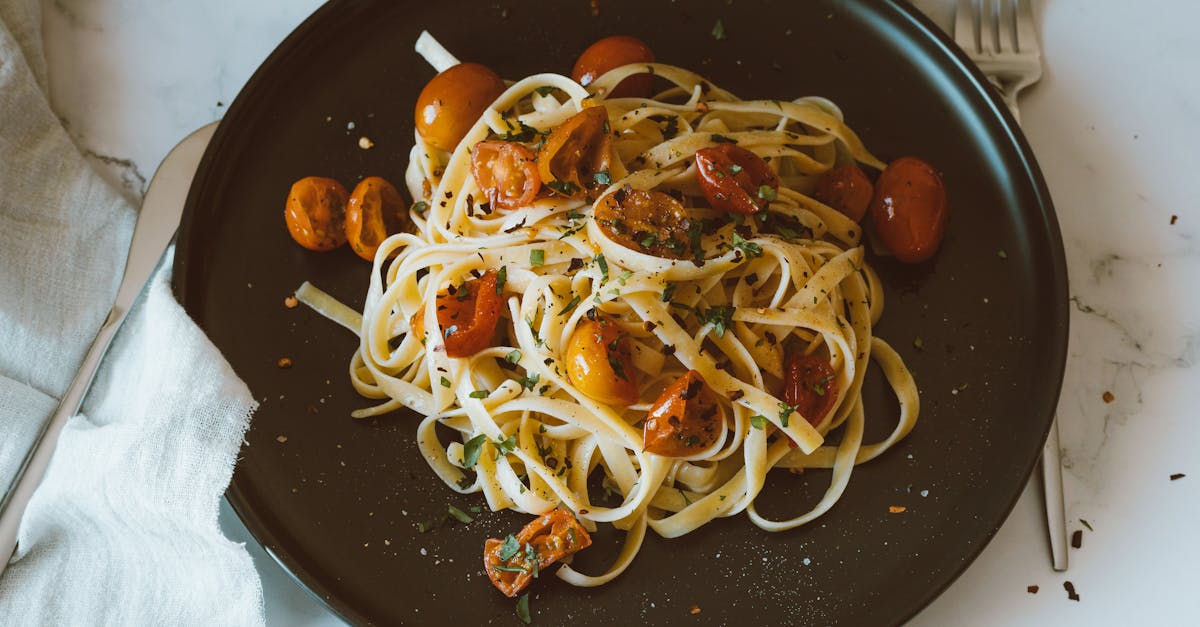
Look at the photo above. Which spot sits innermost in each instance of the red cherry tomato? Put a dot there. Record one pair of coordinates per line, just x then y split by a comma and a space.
846, 189
452, 101
909, 210
809, 386
507, 172
686, 418
734, 179
549, 538
613, 52
468, 323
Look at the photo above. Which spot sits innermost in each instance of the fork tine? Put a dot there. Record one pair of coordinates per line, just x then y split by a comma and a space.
964, 27
1005, 27
1026, 36
987, 27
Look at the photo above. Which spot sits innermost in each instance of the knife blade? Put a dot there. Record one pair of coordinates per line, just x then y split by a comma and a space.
157, 222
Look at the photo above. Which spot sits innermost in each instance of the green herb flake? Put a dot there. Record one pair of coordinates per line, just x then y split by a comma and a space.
719, 317
668, 292
509, 548
603, 263
509, 569
471, 450
602, 177
672, 128
513, 356
570, 305
529, 382
544, 90
1001, 254
718, 31
537, 257
734, 169
479, 394
766, 192
758, 422
566, 188
721, 139
918, 343
648, 241
445, 382
624, 275
531, 558
785, 412
420, 207
501, 279
523, 609
459, 515
749, 249
1086, 524
507, 445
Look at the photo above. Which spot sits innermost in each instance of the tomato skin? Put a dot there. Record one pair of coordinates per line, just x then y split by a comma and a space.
375, 211
809, 386
452, 101
553, 536
686, 418
576, 150
316, 213
592, 350
909, 209
468, 324
734, 189
846, 189
506, 172
646, 221
613, 52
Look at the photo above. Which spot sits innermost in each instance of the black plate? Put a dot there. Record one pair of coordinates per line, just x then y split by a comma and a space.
338, 502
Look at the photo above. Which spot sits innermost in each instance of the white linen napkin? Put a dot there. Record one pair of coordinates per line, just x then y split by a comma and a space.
123, 530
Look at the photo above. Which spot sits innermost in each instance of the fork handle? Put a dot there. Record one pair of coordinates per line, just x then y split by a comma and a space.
1052, 488
1008, 93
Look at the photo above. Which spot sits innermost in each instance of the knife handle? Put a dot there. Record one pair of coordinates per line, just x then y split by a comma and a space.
33, 467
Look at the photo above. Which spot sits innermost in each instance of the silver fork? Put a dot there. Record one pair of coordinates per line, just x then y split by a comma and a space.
998, 35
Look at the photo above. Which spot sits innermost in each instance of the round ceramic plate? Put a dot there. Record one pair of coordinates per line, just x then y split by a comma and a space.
983, 326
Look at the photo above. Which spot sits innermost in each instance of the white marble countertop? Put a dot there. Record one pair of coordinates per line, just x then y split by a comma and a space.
1115, 123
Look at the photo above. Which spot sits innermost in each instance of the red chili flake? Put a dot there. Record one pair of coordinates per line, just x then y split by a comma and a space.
695, 609
1070, 588
312, 409
896, 509
1108, 397
1177, 476
284, 363
1174, 219
1077, 539
1031, 589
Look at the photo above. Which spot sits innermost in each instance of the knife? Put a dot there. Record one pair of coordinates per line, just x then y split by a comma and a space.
156, 225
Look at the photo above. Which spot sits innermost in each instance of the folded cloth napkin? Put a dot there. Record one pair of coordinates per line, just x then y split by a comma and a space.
123, 530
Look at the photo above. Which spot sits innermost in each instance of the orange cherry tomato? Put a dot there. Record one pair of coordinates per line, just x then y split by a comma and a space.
375, 211
600, 362
809, 386
734, 179
316, 213
613, 52
846, 189
909, 210
452, 101
544, 541
576, 151
649, 222
507, 172
686, 418
467, 314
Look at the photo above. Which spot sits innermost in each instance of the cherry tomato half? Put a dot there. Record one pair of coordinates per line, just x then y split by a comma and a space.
576, 151
316, 213
686, 418
375, 211
544, 541
467, 314
613, 52
647, 221
600, 362
846, 189
734, 179
909, 210
452, 101
507, 172
809, 386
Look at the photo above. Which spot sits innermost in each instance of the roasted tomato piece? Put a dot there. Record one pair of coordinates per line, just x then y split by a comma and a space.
686, 418
576, 151
507, 172
600, 362
846, 189
467, 314
316, 213
613, 52
513, 562
909, 210
734, 179
650, 222
809, 386
452, 102
375, 211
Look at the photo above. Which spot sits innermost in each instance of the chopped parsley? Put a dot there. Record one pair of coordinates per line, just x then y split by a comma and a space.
734, 169
531, 558
507, 445
529, 382
513, 356
509, 569
750, 249
509, 548
570, 305
785, 412
819, 386
766, 192
544, 90
668, 292
672, 128
471, 450
537, 257
758, 422
603, 263
719, 317
501, 279
447, 332
445, 382
721, 139
602, 177
648, 241
523, 609
459, 515
566, 188
525, 134
617, 366
420, 207
624, 275
479, 394
718, 31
